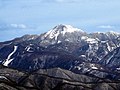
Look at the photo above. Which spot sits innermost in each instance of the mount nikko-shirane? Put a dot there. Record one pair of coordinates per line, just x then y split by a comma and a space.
64, 58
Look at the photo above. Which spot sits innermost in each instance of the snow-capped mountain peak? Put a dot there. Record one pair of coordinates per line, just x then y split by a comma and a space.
62, 29
67, 28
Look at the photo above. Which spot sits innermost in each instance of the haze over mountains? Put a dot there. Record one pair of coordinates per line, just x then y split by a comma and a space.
64, 54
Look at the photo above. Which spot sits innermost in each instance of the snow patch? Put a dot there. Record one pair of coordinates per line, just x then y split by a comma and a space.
28, 49
59, 41
83, 56
3, 77
94, 67
70, 29
118, 68
89, 40
84, 37
67, 40
78, 67
103, 41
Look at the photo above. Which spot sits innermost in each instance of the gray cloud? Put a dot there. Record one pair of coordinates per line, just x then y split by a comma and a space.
4, 26
74, 1
60, 1
106, 27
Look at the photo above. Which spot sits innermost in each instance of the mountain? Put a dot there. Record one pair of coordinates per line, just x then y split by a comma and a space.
65, 47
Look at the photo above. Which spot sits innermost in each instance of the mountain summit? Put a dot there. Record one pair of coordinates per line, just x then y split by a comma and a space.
65, 29
62, 30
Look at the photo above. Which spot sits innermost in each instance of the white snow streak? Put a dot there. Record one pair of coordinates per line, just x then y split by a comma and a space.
109, 49
110, 58
3, 77
28, 48
8, 60
94, 67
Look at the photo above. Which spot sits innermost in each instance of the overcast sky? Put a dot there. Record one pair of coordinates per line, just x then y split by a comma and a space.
19, 17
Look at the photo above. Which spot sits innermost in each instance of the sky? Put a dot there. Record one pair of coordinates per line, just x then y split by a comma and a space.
20, 17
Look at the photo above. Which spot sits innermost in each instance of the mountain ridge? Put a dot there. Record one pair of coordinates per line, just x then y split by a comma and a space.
76, 50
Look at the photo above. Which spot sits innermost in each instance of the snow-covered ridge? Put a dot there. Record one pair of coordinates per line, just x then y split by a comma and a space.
113, 32
107, 33
63, 32
63, 29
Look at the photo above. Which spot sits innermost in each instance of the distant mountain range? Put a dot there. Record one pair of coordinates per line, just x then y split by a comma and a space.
66, 50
